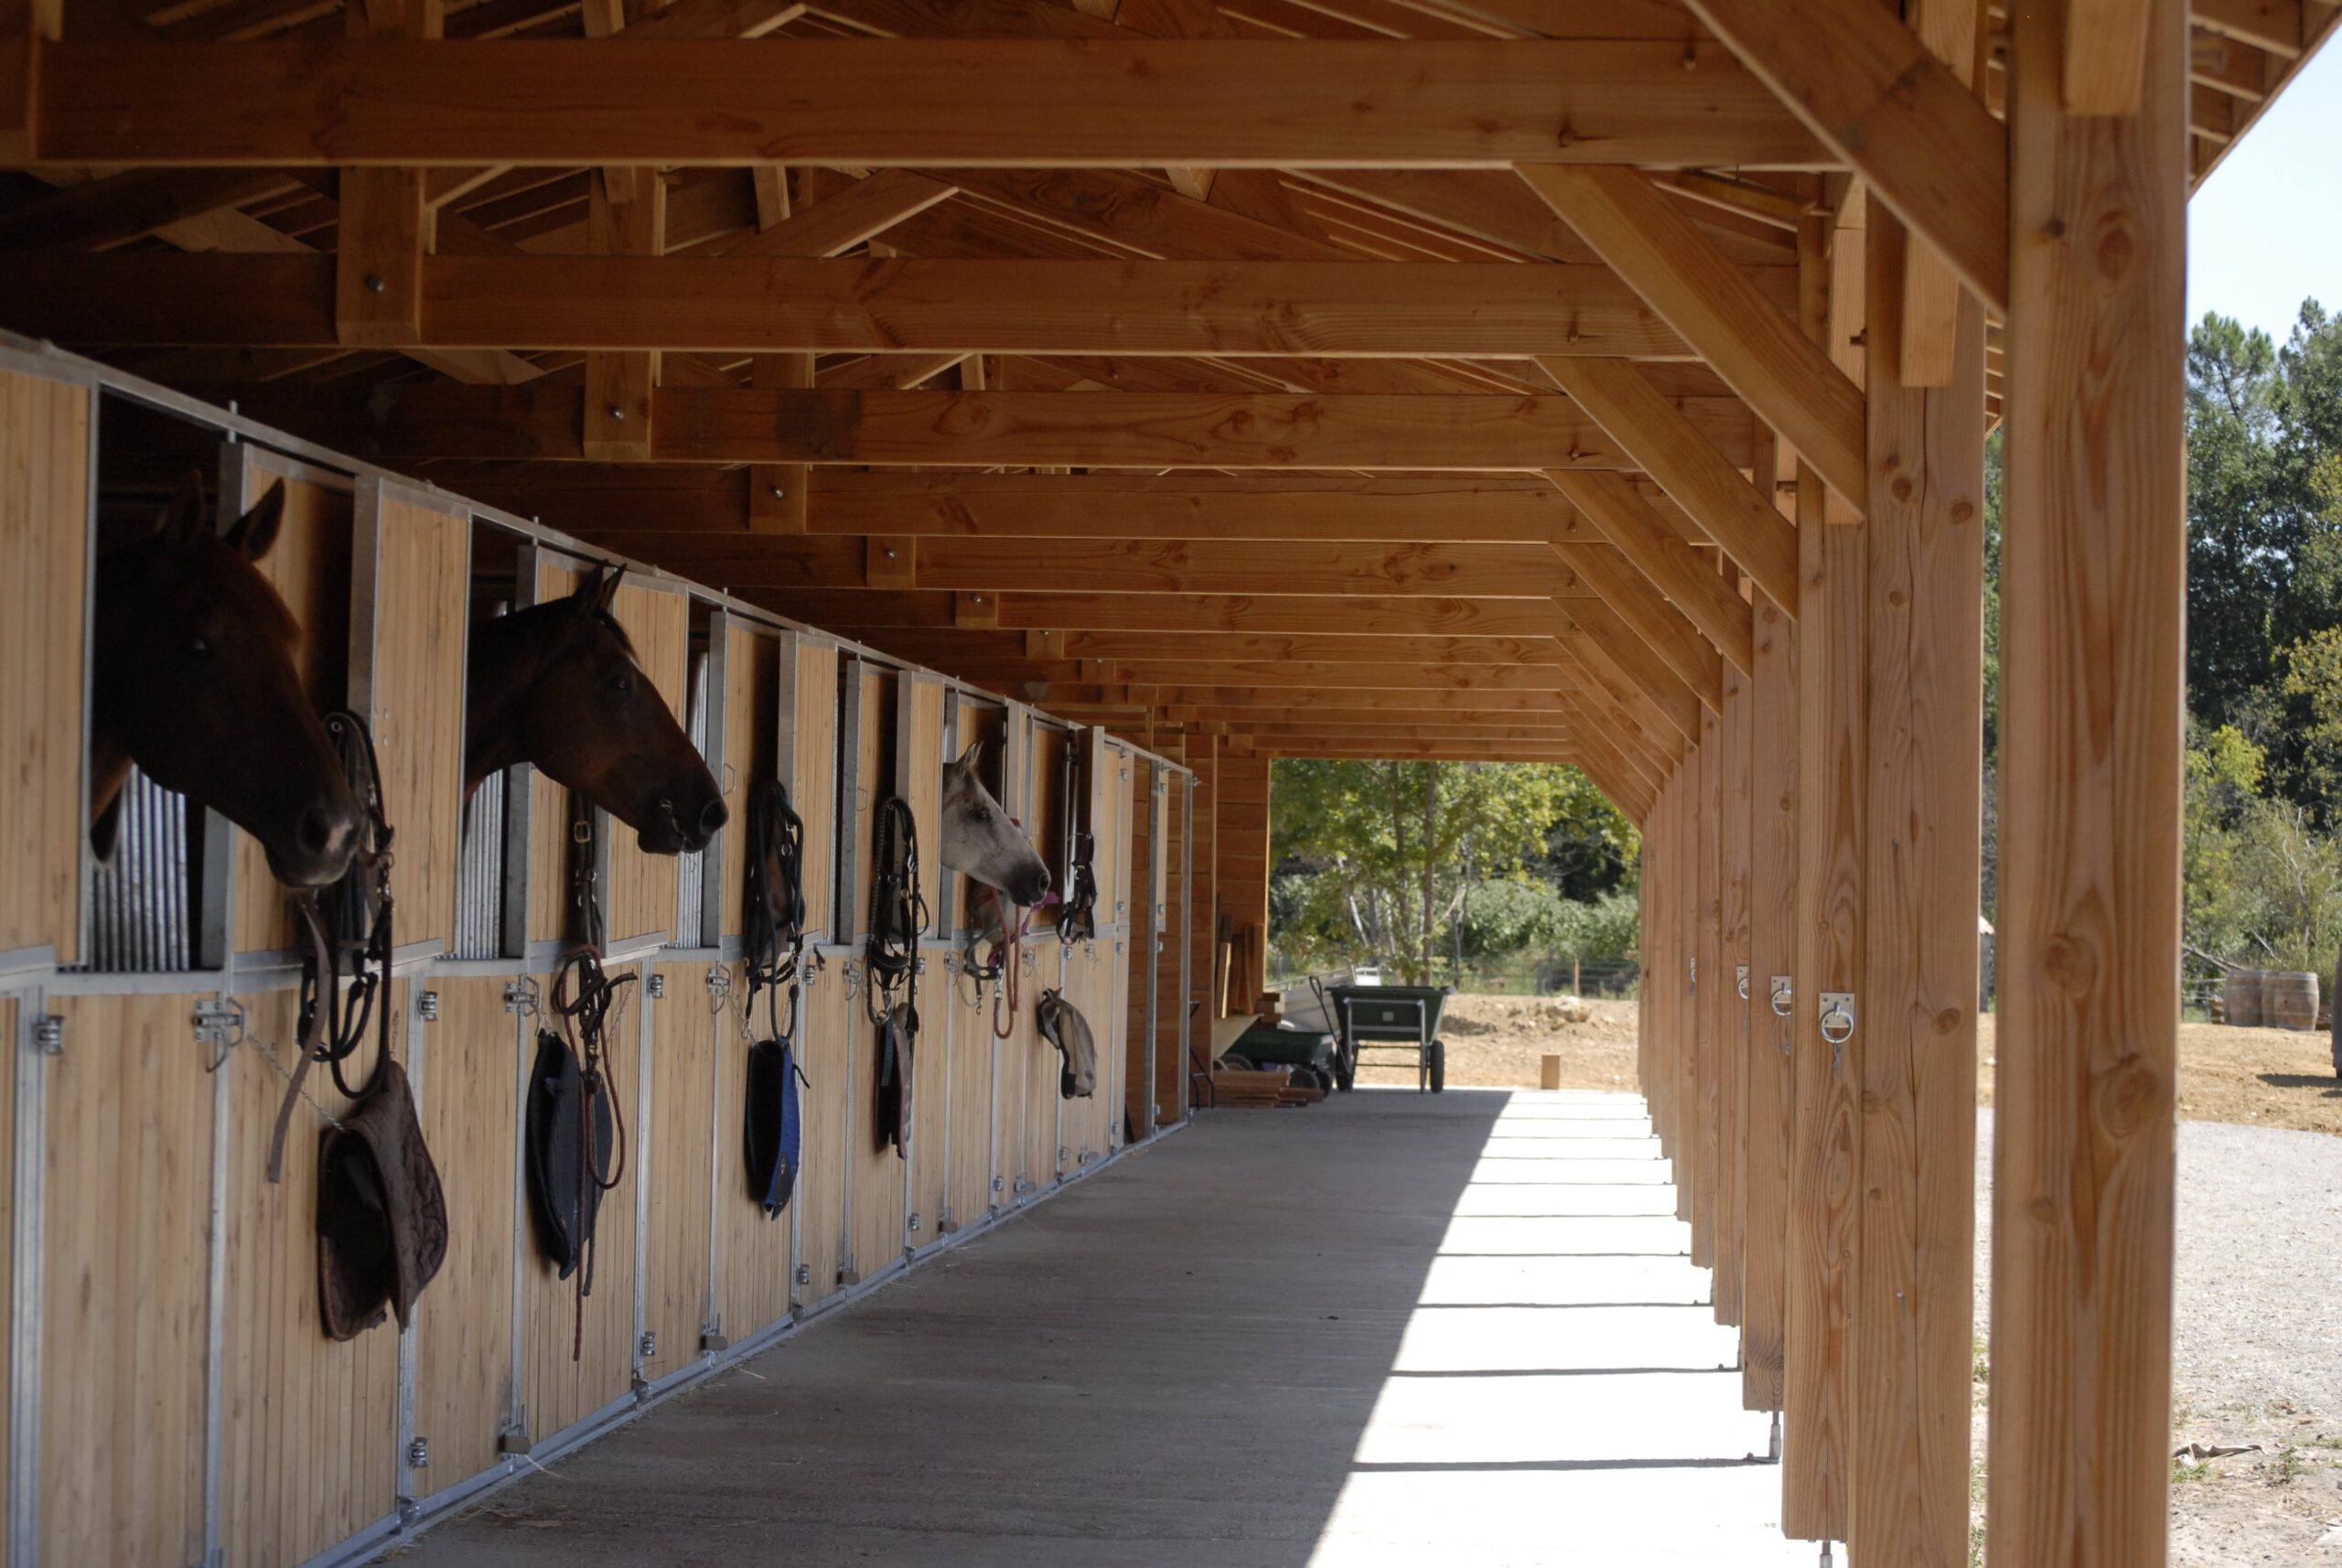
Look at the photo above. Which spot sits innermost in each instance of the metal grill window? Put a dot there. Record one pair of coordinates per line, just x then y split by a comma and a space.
140, 909
479, 879
691, 917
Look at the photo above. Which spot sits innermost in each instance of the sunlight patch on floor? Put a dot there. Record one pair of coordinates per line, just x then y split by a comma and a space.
1562, 1394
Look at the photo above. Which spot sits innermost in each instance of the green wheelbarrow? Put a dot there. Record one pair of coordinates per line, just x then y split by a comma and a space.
1389, 1017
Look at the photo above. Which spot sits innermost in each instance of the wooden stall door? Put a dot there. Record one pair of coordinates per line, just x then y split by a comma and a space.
755, 708
967, 1017
557, 1390
125, 1321
1042, 1105
44, 543
310, 567
8, 1022
468, 1081
932, 1081
820, 1201
811, 770
751, 1250
308, 1427
876, 1186
678, 1158
1138, 980
407, 678
644, 887
549, 868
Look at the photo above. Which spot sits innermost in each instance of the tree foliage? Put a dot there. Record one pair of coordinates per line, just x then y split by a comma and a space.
1417, 861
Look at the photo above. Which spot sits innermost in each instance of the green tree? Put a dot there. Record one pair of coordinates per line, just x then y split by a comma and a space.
1397, 846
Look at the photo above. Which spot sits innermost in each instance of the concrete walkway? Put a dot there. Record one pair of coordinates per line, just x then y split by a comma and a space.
1389, 1329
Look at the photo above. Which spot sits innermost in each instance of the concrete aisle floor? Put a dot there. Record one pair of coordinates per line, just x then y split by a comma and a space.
1387, 1329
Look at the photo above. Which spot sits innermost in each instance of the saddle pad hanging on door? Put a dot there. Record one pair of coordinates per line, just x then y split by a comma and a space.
1063, 1026
564, 1198
897, 1032
775, 1129
382, 1217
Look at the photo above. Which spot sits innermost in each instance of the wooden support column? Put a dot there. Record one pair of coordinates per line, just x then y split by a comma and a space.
2093, 620
1683, 986
1921, 883
1816, 1456
1658, 892
1242, 830
1728, 1008
25, 26
1707, 954
626, 215
1772, 950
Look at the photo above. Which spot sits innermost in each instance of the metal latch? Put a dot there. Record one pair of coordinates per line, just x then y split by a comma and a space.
997, 1183
1695, 976
418, 1453
804, 1273
219, 1023
913, 1222
521, 997
426, 1007
713, 1336
1744, 981
514, 1438
48, 1035
719, 982
658, 987
1782, 1000
647, 1346
1837, 1025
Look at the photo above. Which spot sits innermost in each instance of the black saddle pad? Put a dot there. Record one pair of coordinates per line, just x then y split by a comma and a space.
775, 1128
564, 1207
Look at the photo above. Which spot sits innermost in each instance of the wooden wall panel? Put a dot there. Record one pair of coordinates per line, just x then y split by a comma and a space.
678, 1160
1109, 763
423, 601
1138, 1072
44, 538
820, 1201
931, 1085
644, 888
310, 568
967, 1019
813, 774
752, 714
869, 782
558, 1391
1170, 990
875, 1208
469, 1088
123, 1305
1045, 817
751, 1252
7, 1227
1203, 899
308, 1427
1043, 1108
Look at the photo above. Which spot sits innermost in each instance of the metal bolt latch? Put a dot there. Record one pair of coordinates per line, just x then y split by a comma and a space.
658, 987
719, 981
49, 1036
1837, 1025
997, 1183
418, 1453
913, 1222
1744, 981
521, 997
1062, 1153
647, 1346
426, 1007
804, 1273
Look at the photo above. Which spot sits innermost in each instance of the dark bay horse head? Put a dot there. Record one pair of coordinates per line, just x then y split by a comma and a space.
559, 687
195, 682
981, 840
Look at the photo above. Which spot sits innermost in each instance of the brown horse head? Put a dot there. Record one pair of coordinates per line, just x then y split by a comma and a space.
559, 687
195, 682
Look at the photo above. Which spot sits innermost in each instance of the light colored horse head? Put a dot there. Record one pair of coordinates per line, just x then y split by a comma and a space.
980, 841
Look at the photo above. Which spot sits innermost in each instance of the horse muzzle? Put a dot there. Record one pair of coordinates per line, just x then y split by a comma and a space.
319, 849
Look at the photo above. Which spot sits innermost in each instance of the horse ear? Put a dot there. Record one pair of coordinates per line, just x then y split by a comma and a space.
966, 765
255, 534
182, 521
594, 594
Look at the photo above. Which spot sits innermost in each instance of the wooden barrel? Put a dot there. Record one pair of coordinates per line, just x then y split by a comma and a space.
2241, 998
2289, 999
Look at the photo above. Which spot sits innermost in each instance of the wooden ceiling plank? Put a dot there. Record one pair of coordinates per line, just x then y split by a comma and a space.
1746, 337
1124, 101
1660, 625
1707, 483
845, 217
132, 205
850, 610
1601, 640
1329, 676
1867, 85
1618, 513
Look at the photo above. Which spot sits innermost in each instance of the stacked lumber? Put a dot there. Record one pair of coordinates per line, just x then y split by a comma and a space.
1231, 1087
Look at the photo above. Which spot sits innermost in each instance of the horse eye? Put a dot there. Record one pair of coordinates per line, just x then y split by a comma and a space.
622, 684
199, 646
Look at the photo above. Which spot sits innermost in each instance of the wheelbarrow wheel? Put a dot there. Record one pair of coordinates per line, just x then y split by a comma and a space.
1438, 1059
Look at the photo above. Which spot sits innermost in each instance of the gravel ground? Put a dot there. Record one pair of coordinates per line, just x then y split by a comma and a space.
2258, 1351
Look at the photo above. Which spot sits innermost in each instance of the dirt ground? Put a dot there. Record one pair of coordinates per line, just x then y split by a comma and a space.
2256, 1077
1497, 1041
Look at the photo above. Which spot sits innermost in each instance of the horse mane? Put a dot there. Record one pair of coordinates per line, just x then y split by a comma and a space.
214, 574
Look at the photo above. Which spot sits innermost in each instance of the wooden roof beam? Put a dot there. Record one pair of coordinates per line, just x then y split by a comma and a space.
851, 610
1118, 103
1868, 86
1617, 513
1749, 339
1659, 624
1706, 482
756, 304
941, 647
1133, 430
1593, 630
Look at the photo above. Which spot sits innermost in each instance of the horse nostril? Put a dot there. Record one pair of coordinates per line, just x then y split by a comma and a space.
712, 818
320, 830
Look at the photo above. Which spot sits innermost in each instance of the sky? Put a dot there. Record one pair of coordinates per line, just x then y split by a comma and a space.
2266, 232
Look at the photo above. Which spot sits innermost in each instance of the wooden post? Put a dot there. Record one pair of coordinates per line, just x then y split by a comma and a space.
626, 216
1914, 1301
1684, 989
1772, 950
1831, 761
1729, 1012
2093, 622
1707, 981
